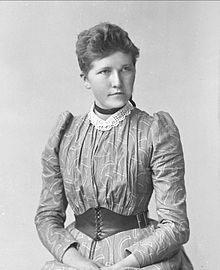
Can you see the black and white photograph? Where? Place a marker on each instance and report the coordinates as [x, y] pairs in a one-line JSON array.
[[110, 135]]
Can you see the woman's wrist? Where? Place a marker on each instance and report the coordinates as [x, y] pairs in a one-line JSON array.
[[129, 261], [71, 256]]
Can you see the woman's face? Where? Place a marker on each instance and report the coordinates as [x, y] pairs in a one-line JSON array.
[[111, 79]]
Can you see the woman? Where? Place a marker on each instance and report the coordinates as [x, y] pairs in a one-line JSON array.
[[105, 165]]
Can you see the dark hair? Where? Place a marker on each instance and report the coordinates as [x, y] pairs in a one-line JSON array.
[[100, 41]]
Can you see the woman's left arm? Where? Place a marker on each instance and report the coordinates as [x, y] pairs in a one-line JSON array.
[[167, 165]]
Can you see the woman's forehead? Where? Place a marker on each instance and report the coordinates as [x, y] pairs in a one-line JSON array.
[[116, 59]]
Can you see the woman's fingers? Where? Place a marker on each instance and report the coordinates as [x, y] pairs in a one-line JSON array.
[[100, 265]]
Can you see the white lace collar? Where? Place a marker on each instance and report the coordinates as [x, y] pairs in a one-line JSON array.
[[112, 121]]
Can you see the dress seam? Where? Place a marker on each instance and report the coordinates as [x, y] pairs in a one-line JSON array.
[[92, 249]]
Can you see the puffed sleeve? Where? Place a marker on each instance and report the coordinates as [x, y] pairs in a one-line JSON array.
[[167, 165], [51, 215]]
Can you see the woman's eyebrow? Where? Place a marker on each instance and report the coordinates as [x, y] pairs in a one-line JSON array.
[[105, 67], [128, 64], [110, 67]]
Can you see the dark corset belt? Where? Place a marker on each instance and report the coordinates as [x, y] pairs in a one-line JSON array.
[[100, 222]]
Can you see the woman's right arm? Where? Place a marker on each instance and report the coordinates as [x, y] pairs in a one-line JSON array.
[[51, 215], [73, 258]]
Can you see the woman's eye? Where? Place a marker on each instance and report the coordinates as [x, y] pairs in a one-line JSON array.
[[105, 72], [126, 69]]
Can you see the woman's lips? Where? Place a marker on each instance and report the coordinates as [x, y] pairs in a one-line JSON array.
[[116, 94]]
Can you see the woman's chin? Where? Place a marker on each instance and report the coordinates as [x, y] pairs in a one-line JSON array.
[[119, 103]]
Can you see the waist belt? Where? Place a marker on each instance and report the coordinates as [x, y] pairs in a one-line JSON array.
[[100, 222]]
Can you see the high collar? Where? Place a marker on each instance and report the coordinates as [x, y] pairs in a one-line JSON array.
[[111, 121]]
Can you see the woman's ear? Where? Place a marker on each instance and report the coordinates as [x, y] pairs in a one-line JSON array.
[[85, 81]]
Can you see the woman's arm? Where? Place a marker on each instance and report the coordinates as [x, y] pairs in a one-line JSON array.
[[73, 258], [129, 261], [167, 165], [50, 215]]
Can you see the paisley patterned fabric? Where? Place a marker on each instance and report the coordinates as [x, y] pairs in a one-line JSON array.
[[117, 169]]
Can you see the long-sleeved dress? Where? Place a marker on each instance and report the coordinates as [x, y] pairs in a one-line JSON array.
[[115, 164]]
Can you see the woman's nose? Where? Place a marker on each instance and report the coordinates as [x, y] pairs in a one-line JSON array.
[[116, 79]]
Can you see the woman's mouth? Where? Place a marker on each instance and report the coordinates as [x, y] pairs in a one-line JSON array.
[[116, 94]]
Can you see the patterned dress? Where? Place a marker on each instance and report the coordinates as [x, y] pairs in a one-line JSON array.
[[115, 164]]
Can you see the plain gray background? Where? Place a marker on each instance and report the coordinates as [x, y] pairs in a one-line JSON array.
[[178, 72]]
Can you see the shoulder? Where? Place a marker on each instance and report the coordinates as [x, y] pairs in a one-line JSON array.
[[142, 117], [67, 121], [62, 122], [58, 129], [164, 132], [163, 121], [164, 118], [158, 124], [161, 118]]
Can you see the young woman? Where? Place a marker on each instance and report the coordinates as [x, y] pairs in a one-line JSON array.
[[105, 164]]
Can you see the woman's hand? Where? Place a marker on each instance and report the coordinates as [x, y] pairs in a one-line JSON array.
[[87, 264], [112, 267], [129, 261], [74, 259]]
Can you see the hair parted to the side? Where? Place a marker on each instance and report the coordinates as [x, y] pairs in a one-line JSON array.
[[101, 41]]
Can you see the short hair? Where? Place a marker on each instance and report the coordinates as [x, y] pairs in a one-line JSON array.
[[101, 41]]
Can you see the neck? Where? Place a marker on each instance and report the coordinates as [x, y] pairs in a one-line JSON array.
[[106, 112], [102, 116]]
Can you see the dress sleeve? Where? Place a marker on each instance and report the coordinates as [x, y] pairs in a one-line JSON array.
[[51, 215], [167, 165]]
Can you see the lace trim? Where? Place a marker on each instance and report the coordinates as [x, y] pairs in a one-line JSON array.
[[112, 121]]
